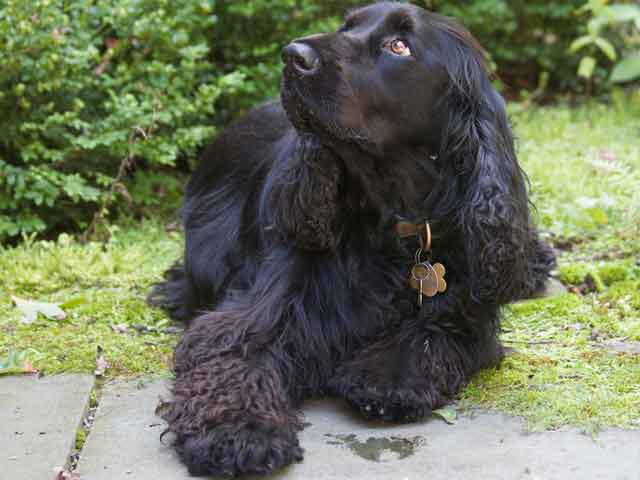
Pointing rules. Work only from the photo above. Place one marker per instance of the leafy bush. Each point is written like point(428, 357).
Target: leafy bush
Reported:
point(527, 39)
point(90, 86)
point(619, 22)
point(250, 35)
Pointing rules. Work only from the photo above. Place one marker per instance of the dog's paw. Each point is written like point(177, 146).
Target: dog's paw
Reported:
point(394, 403)
point(230, 450)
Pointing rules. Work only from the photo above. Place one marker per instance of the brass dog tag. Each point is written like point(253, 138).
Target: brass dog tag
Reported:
point(427, 279)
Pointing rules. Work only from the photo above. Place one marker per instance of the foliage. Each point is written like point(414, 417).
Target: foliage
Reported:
point(86, 85)
point(527, 40)
point(15, 363)
point(620, 21)
point(249, 37)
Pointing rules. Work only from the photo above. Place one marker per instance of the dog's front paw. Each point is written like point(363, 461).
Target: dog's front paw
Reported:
point(230, 450)
point(380, 400)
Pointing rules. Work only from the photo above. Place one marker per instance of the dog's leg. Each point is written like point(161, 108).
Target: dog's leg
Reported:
point(408, 375)
point(230, 411)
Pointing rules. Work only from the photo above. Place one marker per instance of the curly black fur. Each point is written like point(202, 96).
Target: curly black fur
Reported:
point(294, 282)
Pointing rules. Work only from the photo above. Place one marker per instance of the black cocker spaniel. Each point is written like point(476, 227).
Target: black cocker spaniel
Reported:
point(355, 239)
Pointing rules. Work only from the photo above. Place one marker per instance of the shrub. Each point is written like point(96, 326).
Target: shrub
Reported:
point(613, 32)
point(250, 35)
point(89, 86)
point(527, 39)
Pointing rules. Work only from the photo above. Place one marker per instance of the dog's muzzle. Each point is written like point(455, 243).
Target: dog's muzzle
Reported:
point(301, 58)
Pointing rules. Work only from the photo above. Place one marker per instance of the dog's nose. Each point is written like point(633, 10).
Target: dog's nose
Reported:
point(303, 57)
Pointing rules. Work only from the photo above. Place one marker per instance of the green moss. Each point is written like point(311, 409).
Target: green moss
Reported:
point(100, 286)
point(562, 386)
point(81, 438)
point(577, 274)
point(612, 272)
point(627, 292)
point(604, 273)
point(584, 165)
point(558, 373)
point(573, 273)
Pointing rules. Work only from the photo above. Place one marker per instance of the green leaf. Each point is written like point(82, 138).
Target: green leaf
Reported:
point(580, 42)
point(607, 48)
point(623, 13)
point(16, 362)
point(613, 14)
point(597, 215)
point(73, 302)
point(448, 414)
point(627, 69)
point(586, 67)
point(30, 310)
point(594, 26)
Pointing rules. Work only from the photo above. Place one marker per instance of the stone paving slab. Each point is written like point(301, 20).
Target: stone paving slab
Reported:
point(124, 443)
point(553, 288)
point(39, 418)
point(125, 438)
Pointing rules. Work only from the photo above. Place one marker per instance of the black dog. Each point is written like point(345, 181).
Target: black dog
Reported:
point(303, 225)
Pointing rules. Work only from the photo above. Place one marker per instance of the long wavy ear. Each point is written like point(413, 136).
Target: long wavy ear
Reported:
point(487, 189)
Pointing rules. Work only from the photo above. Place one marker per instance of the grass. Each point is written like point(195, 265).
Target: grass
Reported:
point(584, 166)
point(105, 287)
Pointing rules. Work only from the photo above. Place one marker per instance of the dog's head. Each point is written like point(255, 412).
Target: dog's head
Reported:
point(383, 79)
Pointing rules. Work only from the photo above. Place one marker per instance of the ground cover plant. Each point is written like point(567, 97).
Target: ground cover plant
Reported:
point(574, 359)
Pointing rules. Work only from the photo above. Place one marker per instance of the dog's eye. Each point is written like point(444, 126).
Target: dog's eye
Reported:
point(398, 47)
